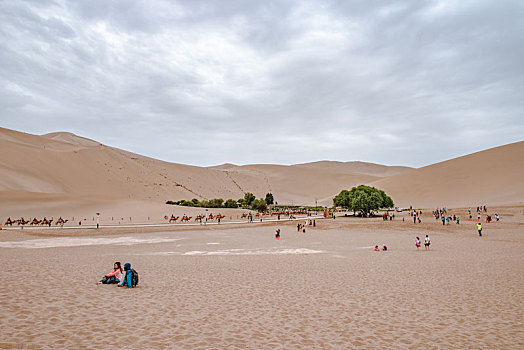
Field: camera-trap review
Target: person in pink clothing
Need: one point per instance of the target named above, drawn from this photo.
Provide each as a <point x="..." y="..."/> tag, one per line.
<point x="114" y="277"/>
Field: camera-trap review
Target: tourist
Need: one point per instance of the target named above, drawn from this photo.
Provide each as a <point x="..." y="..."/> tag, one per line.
<point x="128" y="278"/>
<point x="426" y="242"/>
<point x="479" y="228"/>
<point x="417" y="243"/>
<point x="114" y="277"/>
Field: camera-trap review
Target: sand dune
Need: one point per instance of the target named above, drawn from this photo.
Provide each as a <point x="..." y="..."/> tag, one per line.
<point x="63" y="163"/>
<point x="63" y="169"/>
<point x="357" y="168"/>
<point x="493" y="176"/>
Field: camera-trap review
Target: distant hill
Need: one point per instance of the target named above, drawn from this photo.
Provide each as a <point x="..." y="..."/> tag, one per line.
<point x="64" y="164"/>
<point x="357" y="168"/>
<point x="493" y="176"/>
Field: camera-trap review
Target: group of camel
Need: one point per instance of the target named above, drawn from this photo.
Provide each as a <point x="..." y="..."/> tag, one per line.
<point x="35" y="221"/>
<point x="186" y="218"/>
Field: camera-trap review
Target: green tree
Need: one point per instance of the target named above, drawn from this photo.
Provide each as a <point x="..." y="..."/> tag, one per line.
<point x="215" y="203"/>
<point x="259" y="204"/>
<point x="249" y="198"/>
<point x="269" y="198"/>
<point x="196" y="202"/>
<point x="230" y="203"/>
<point x="241" y="202"/>
<point x="364" y="199"/>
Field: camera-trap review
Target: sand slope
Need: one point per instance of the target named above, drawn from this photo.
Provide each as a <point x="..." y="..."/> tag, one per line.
<point x="493" y="176"/>
<point x="357" y="168"/>
<point x="72" y="168"/>
<point x="64" y="163"/>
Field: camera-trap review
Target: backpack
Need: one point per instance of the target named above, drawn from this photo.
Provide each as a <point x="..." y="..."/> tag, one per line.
<point x="134" y="278"/>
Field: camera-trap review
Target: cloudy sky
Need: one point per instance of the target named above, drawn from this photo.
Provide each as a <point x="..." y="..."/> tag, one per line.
<point x="208" y="82"/>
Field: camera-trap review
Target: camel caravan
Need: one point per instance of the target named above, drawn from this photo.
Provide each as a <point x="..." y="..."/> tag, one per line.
<point x="35" y="222"/>
<point x="201" y="218"/>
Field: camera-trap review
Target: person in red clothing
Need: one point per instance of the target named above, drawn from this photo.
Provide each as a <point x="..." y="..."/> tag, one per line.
<point x="114" y="277"/>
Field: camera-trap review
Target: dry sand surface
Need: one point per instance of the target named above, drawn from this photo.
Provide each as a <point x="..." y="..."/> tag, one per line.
<point x="236" y="287"/>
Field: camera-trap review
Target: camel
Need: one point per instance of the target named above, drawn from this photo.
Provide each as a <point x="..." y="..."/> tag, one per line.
<point x="47" y="222"/>
<point x="200" y="217"/>
<point x="173" y="218"/>
<point x="220" y="216"/>
<point x="9" y="222"/>
<point x="61" y="221"/>
<point x="186" y="218"/>
<point x="21" y="221"/>
<point x="35" y="221"/>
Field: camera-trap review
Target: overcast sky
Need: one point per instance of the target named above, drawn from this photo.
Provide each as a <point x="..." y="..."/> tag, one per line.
<point x="209" y="82"/>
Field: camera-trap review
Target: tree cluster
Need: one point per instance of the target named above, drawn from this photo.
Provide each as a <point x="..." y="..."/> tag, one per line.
<point x="363" y="199"/>
<point x="212" y="203"/>
<point x="249" y="202"/>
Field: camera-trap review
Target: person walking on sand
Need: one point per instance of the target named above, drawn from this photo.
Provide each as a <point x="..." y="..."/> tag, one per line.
<point x="277" y="233"/>
<point x="417" y="243"/>
<point x="426" y="243"/>
<point x="479" y="228"/>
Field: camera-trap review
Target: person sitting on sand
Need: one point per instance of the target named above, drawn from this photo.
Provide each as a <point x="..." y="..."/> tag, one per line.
<point x="376" y="248"/>
<point x="384" y="248"/>
<point x="114" y="277"/>
<point x="127" y="281"/>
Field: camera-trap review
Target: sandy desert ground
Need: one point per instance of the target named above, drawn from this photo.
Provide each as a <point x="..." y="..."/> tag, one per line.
<point x="236" y="287"/>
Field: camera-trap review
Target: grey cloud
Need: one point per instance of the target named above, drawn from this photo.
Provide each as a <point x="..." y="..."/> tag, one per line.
<point x="276" y="81"/>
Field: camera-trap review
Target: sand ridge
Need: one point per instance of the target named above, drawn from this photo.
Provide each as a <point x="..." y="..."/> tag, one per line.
<point x="64" y="170"/>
